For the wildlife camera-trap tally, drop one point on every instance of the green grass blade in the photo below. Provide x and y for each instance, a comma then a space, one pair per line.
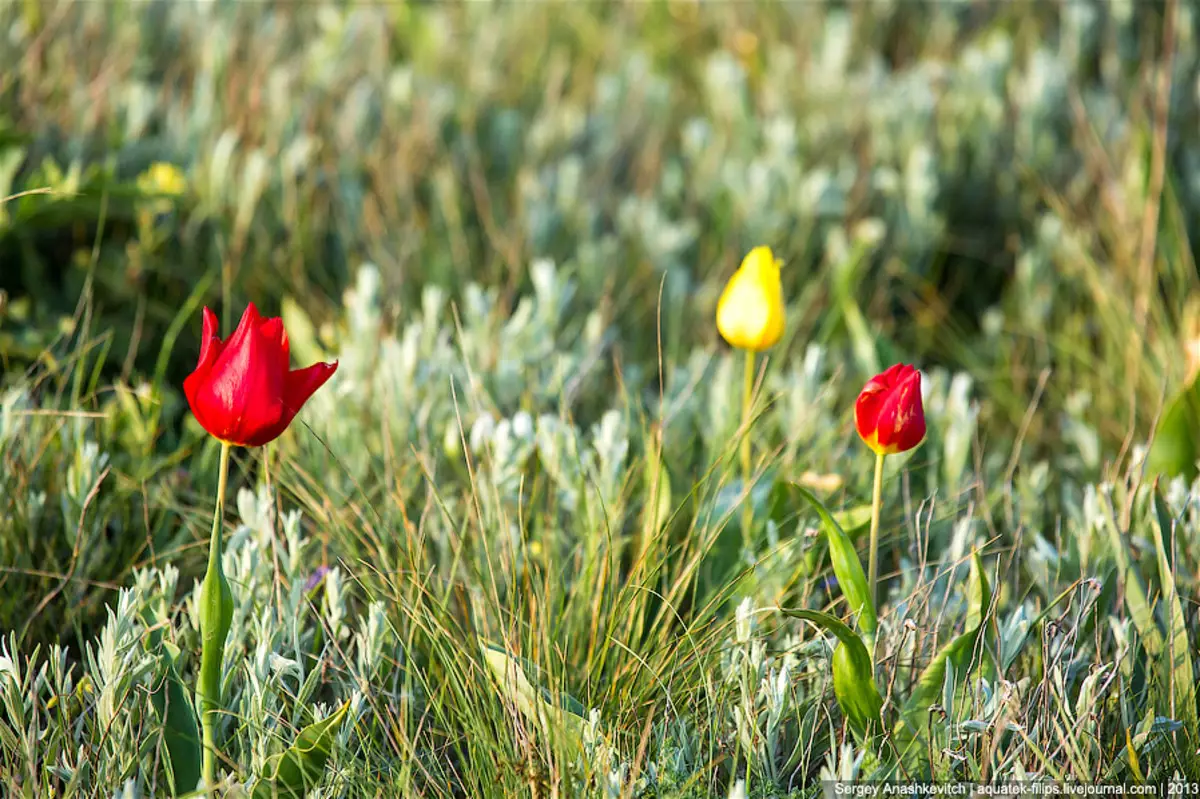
953, 659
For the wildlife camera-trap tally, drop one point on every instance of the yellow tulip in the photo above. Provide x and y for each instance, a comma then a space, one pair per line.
750, 313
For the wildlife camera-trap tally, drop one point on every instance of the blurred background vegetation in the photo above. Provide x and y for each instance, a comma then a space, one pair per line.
993, 163
498, 212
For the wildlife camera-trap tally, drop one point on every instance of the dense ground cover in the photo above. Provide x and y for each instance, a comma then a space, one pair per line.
511, 226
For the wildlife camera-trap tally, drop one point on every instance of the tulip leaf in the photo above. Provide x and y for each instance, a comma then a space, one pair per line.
853, 520
1141, 612
1176, 445
181, 734
535, 703
1178, 660
297, 770
950, 667
853, 675
846, 565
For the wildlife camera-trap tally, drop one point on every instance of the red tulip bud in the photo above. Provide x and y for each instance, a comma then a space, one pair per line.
242, 390
888, 414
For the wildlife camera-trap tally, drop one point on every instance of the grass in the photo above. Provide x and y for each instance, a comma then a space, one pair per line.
511, 226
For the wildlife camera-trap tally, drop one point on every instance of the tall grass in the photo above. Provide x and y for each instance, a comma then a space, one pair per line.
508, 532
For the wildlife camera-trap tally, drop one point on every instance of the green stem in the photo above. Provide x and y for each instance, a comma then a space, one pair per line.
747, 466
876, 510
216, 614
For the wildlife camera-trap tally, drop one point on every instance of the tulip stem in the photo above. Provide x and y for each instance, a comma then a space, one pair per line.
747, 466
216, 614
873, 550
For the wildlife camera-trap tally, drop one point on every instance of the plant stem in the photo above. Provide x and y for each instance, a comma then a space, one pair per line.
876, 510
216, 614
747, 416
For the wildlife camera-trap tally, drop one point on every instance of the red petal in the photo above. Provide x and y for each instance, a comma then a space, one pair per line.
908, 427
894, 375
867, 408
250, 320
888, 413
276, 342
242, 399
210, 343
301, 384
273, 330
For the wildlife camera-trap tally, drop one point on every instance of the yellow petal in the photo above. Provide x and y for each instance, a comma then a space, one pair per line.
750, 313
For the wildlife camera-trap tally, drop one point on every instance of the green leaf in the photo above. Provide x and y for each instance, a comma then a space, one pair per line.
181, 734
1176, 445
1178, 659
853, 520
950, 666
296, 771
1141, 612
853, 675
302, 335
846, 565
535, 703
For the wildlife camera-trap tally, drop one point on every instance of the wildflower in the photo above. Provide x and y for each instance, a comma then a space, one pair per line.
890, 418
888, 414
750, 316
316, 579
245, 395
750, 313
162, 178
242, 390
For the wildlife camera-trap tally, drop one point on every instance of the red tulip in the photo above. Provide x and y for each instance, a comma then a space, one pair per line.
242, 390
888, 414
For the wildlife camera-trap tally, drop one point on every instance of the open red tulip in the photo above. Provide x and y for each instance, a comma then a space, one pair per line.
242, 390
889, 414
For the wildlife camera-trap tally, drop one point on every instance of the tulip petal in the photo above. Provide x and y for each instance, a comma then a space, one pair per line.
750, 311
246, 327
246, 385
300, 384
275, 344
272, 330
241, 391
210, 343
888, 413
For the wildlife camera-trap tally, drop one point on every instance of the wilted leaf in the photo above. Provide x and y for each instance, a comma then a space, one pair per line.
534, 702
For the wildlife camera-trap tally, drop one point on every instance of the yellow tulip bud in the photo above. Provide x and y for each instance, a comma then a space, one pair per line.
750, 313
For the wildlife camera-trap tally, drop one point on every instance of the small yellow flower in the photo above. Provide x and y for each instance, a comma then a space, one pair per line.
750, 313
162, 178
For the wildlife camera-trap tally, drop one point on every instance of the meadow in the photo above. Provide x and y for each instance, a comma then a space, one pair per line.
526, 541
